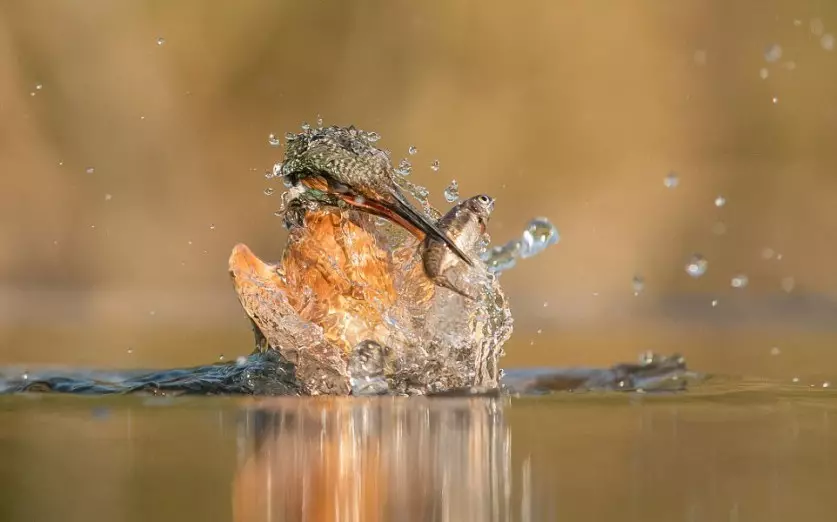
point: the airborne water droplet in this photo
(638, 283)
(269, 191)
(739, 281)
(452, 192)
(412, 150)
(404, 167)
(435, 165)
(764, 73)
(273, 140)
(221, 357)
(212, 226)
(90, 170)
(697, 266)
(108, 197)
(714, 303)
(276, 171)
(788, 283)
(671, 180)
(827, 41)
(539, 235)
(720, 201)
(773, 53)
(161, 40)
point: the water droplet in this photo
(504, 257)
(452, 192)
(108, 197)
(826, 384)
(795, 379)
(25, 375)
(764, 73)
(775, 351)
(788, 283)
(767, 253)
(539, 235)
(671, 180)
(739, 281)
(319, 121)
(404, 167)
(273, 140)
(817, 27)
(241, 360)
(638, 284)
(714, 303)
(540, 331)
(38, 87)
(827, 41)
(779, 257)
(212, 226)
(305, 126)
(773, 53)
(373, 136)
(130, 351)
(545, 304)
(697, 265)
(412, 150)
(221, 357)
(435, 165)
(60, 163)
(269, 191)
(720, 201)
(152, 312)
(90, 170)
(161, 41)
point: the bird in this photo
(343, 161)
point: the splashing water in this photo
(372, 290)
(671, 180)
(538, 235)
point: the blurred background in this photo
(134, 143)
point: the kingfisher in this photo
(342, 161)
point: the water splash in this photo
(538, 235)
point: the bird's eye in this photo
(485, 200)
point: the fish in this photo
(466, 224)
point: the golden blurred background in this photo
(135, 141)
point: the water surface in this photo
(726, 450)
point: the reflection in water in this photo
(375, 459)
